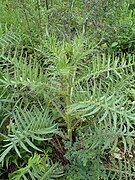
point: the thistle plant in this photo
(66, 96)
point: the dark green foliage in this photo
(67, 89)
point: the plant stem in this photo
(68, 115)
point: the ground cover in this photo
(67, 90)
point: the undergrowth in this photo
(67, 90)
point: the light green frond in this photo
(39, 167)
(26, 127)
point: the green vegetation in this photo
(67, 90)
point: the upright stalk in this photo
(68, 115)
(70, 82)
(39, 17)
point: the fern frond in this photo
(26, 127)
(20, 72)
(102, 101)
(38, 168)
(9, 39)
